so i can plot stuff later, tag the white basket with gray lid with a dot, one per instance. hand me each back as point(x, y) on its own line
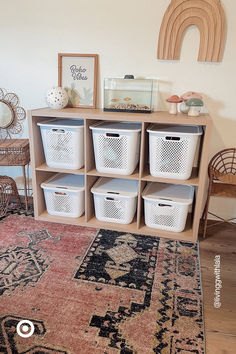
point(166, 205)
point(116, 146)
point(63, 143)
point(115, 199)
point(64, 195)
point(172, 149)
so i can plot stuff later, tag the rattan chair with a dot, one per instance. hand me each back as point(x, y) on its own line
point(8, 190)
point(222, 182)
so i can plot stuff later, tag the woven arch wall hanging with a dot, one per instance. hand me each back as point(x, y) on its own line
point(207, 15)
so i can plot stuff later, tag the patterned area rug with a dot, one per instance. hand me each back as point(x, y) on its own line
point(96, 291)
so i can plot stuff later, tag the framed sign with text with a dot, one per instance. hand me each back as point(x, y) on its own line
point(77, 74)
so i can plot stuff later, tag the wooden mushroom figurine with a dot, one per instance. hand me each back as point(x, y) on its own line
point(194, 105)
point(173, 100)
point(185, 97)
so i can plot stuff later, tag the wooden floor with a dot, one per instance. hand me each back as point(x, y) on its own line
point(220, 324)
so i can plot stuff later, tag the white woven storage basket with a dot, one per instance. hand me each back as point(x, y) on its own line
point(63, 143)
point(166, 205)
point(172, 149)
point(116, 146)
point(64, 195)
point(115, 199)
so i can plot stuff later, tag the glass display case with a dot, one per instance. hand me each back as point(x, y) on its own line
point(128, 95)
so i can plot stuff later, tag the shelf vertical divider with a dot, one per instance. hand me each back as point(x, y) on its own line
point(88, 165)
point(202, 179)
point(36, 157)
point(143, 152)
point(88, 145)
point(89, 204)
point(140, 208)
point(143, 149)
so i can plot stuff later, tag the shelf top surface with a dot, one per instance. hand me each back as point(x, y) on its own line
point(154, 117)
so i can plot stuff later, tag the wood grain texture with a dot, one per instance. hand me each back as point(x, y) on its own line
point(203, 175)
point(220, 324)
point(207, 15)
point(99, 114)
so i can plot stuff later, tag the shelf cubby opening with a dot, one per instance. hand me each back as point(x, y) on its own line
point(91, 165)
point(44, 167)
point(40, 209)
point(186, 235)
point(192, 181)
point(89, 203)
point(38, 195)
point(45, 216)
point(140, 209)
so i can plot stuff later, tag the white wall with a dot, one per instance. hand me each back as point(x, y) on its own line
point(124, 34)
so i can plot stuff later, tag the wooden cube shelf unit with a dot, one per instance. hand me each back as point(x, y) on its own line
point(40, 171)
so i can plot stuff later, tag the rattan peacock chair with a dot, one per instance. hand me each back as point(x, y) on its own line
point(222, 181)
point(8, 190)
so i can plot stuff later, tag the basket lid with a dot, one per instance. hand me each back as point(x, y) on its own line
point(170, 192)
point(123, 126)
point(63, 123)
point(66, 181)
point(123, 187)
point(169, 128)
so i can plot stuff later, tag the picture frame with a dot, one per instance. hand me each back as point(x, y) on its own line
point(77, 74)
